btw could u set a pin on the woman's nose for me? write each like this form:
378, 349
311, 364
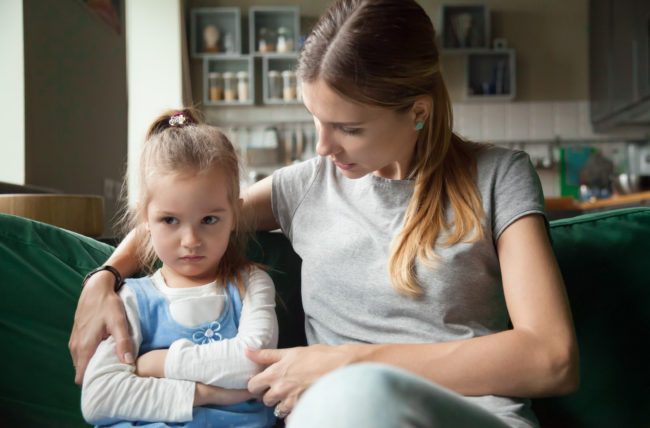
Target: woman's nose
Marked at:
326, 145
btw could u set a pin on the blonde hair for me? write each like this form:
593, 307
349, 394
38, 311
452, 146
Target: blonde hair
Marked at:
383, 53
191, 147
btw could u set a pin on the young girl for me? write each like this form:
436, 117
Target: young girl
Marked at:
205, 293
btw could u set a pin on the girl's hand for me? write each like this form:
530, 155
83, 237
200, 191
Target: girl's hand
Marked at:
291, 371
100, 313
207, 394
151, 364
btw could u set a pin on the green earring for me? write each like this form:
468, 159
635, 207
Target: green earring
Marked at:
419, 126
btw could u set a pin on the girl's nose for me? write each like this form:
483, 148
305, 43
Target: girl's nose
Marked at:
190, 238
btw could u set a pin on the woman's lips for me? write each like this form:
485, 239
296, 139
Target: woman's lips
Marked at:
345, 166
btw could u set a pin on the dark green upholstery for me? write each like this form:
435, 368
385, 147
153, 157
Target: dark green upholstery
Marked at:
603, 258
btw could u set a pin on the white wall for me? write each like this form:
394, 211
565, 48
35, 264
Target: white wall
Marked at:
154, 68
12, 92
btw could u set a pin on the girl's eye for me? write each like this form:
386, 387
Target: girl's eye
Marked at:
170, 220
210, 219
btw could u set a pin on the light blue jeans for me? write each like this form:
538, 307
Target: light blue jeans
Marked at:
382, 396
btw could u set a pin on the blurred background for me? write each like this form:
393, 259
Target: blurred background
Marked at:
80, 80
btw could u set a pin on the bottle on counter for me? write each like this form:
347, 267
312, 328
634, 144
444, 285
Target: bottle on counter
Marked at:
242, 86
215, 83
229, 86
275, 85
289, 85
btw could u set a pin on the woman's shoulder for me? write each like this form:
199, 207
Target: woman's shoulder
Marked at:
489, 155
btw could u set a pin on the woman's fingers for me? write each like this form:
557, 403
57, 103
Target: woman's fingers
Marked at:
100, 312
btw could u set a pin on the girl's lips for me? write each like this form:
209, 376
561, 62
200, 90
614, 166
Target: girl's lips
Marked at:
192, 259
345, 166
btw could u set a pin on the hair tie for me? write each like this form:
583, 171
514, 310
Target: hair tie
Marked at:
180, 119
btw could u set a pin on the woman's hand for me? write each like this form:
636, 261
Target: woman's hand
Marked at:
291, 371
100, 313
207, 394
151, 364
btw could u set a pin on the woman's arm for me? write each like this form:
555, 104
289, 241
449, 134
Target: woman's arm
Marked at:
100, 312
538, 357
257, 209
223, 363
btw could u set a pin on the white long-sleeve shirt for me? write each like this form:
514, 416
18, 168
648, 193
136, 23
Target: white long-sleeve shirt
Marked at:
112, 391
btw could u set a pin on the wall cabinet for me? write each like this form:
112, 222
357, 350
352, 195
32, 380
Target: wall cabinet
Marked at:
229, 73
273, 29
215, 31
466, 30
619, 55
491, 74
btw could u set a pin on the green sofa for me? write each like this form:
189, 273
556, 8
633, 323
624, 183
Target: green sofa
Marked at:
604, 258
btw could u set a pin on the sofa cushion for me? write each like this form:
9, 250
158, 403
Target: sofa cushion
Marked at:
42, 268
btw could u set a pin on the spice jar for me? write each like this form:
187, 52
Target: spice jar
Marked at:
229, 86
242, 86
289, 85
285, 42
215, 84
275, 85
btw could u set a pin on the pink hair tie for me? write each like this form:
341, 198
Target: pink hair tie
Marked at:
180, 119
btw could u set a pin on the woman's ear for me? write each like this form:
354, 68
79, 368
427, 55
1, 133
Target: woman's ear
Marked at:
421, 109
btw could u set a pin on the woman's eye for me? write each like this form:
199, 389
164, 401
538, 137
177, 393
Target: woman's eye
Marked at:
210, 219
170, 220
351, 131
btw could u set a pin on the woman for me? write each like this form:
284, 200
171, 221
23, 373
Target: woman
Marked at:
419, 249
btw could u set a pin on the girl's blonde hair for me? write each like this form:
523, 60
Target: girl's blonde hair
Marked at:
383, 53
188, 147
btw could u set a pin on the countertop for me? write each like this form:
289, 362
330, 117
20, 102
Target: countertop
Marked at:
566, 206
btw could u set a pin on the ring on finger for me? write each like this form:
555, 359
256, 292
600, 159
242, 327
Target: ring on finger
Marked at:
279, 413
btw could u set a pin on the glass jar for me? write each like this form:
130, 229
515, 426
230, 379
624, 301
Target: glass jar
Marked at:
263, 42
275, 85
242, 86
289, 85
285, 41
215, 85
229, 86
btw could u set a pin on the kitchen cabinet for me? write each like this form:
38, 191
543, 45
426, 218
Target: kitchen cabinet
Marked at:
619, 55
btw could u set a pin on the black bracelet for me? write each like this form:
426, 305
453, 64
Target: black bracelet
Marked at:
118, 278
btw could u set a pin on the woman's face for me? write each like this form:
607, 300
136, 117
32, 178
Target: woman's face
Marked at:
361, 139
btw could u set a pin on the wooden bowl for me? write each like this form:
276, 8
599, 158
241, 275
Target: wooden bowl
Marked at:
83, 214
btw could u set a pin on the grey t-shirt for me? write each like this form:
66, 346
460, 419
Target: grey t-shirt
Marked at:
342, 229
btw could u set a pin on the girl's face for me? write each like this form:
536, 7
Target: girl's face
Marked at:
358, 138
190, 220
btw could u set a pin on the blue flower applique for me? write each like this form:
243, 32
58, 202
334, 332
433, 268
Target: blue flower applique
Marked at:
208, 335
